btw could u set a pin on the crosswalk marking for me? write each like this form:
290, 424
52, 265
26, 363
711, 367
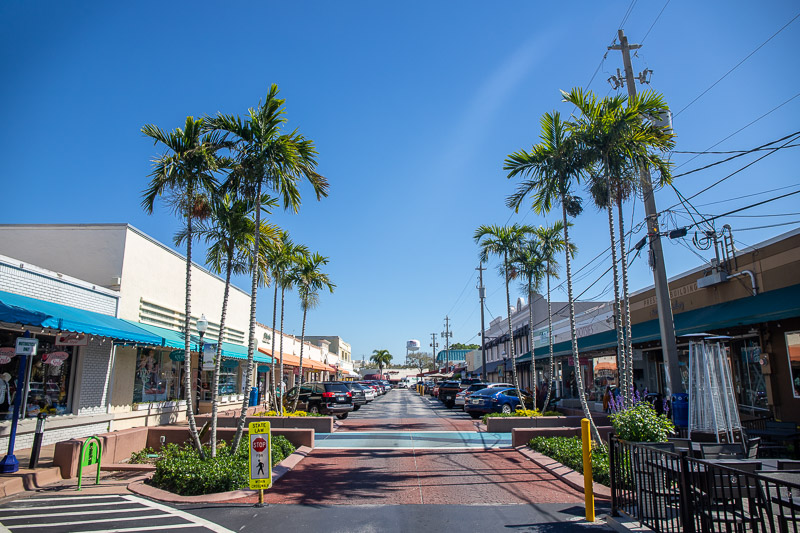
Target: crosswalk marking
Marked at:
132, 514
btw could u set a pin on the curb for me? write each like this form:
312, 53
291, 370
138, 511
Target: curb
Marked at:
626, 525
564, 473
278, 471
26, 480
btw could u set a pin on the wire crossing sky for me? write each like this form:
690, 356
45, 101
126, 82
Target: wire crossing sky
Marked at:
413, 107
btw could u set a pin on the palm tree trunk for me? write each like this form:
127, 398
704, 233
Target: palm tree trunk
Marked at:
274, 395
218, 355
625, 299
511, 334
574, 332
550, 342
621, 361
302, 343
530, 341
187, 324
283, 292
251, 342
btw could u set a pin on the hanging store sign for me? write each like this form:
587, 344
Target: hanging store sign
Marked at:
209, 351
26, 346
177, 355
230, 364
7, 354
68, 338
263, 369
55, 358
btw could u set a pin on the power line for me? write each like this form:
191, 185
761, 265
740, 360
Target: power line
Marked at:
728, 151
627, 14
749, 195
462, 293
747, 207
654, 22
769, 226
737, 65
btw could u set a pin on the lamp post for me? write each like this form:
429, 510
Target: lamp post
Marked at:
202, 327
505, 363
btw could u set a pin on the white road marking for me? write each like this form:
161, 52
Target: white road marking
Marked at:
106, 511
144, 528
81, 522
175, 512
66, 506
59, 498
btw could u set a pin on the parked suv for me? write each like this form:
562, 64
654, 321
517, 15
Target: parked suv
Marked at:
359, 394
448, 391
329, 398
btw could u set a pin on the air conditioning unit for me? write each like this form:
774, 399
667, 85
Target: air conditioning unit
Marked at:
715, 278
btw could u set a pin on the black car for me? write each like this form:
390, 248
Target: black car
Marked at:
359, 398
448, 391
329, 398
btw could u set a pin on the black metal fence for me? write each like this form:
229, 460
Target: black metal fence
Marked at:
672, 492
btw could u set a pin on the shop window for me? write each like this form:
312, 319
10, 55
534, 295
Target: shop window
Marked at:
793, 352
228, 379
158, 377
49, 378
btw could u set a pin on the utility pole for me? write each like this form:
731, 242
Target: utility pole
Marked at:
433, 349
447, 334
665, 321
482, 297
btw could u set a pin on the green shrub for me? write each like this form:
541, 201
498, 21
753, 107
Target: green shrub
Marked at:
288, 413
640, 422
525, 413
552, 413
569, 452
180, 469
142, 457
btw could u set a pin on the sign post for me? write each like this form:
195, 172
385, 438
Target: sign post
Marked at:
260, 458
25, 346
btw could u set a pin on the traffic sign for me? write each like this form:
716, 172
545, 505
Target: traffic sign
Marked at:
260, 455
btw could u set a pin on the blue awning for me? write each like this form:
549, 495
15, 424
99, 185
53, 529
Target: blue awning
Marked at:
18, 309
176, 339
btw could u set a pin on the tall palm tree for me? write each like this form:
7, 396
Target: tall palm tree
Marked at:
531, 265
185, 174
506, 242
309, 279
551, 243
267, 158
283, 255
620, 135
381, 358
229, 232
553, 168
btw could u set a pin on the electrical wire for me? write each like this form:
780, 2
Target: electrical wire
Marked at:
738, 65
768, 226
627, 14
747, 207
462, 293
654, 22
749, 195
728, 151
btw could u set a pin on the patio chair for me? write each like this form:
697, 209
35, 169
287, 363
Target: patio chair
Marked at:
726, 494
680, 443
752, 446
721, 451
783, 500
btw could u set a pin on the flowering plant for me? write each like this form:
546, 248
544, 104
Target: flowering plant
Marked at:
639, 421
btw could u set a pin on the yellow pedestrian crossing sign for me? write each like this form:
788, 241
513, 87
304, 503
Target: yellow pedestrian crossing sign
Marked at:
260, 455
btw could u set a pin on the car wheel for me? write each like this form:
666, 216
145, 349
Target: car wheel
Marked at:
314, 409
342, 416
506, 409
475, 415
356, 407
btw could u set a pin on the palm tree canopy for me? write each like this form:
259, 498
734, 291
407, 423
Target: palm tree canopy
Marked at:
551, 244
309, 279
552, 166
267, 157
503, 241
186, 167
282, 255
381, 357
530, 264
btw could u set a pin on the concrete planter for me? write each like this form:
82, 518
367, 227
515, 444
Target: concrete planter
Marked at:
320, 424
506, 424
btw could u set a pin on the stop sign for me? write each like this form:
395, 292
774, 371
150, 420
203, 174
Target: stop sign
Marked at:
259, 445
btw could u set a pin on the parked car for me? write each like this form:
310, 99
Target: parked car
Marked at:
358, 391
494, 400
435, 390
448, 391
329, 398
461, 396
369, 392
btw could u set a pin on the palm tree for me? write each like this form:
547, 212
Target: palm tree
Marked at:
267, 158
553, 168
531, 265
506, 242
619, 135
309, 280
184, 173
229, 232
551, 243
381, 358
282, 256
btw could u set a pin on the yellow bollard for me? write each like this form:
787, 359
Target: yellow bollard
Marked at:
588, 489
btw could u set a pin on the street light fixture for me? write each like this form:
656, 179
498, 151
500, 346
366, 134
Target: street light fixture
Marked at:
202, 327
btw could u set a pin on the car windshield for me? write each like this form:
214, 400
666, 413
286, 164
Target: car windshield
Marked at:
336, 387
477, 387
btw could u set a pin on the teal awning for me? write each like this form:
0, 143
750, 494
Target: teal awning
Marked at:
18, 309
176, 339
772, 305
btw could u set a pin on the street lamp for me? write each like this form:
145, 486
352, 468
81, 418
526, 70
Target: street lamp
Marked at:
202, 327
505, 364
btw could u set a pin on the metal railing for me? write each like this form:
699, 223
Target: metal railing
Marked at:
670, 491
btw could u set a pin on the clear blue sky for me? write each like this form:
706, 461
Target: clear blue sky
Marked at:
413, 106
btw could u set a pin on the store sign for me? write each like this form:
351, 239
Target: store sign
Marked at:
177, 355
7, 354
230, 364
55, 358
68, 338
26, 346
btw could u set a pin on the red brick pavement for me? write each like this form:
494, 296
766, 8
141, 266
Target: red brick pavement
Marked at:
424, 476
410, 424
